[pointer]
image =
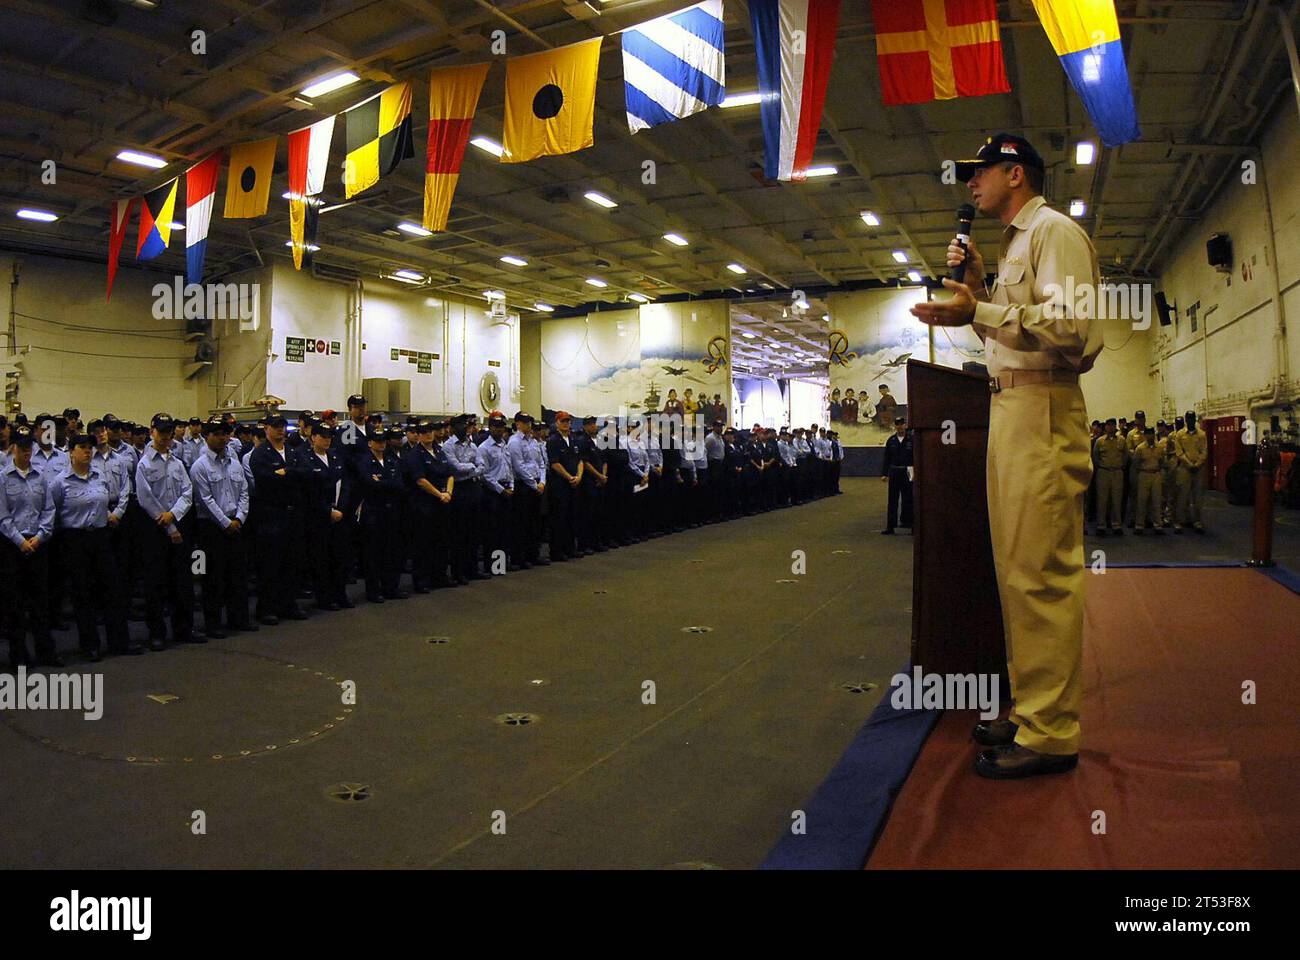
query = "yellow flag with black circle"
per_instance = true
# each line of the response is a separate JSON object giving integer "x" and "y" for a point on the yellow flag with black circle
{"x": 378, "y": 137}
{"x": 248, "y": 181}
{"x": 551, "y": 101}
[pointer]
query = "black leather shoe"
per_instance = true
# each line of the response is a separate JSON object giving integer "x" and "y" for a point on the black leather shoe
{"x": 270, "y": 620}
{"x": 94, "y": 656}
{"x": 1013, "y": 762}
{"x": 995, "y": 733}
{"x": 293, "y": 614}
{"x": 249, "y": 627}
{"x": 375, "y": 597}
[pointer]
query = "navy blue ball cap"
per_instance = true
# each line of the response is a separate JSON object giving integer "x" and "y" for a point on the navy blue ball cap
{"x": 1001, "y": 148}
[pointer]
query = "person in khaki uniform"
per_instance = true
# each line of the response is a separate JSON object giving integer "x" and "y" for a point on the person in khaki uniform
{"x": 1192, "y": 448}
{"x": 1109, "y": 458}
{"x": 1168, "y": 471}
{"x": 1036, "y": 344}
{"x": 1148, "y": 460}
{"x": 1134, "y": 439}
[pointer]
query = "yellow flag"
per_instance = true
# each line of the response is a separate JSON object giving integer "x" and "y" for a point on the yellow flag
{"x": 248, "y": 181}
{"x": 551, "y": 101}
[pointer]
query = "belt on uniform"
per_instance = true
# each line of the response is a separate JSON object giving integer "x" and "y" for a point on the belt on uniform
{"x": 1023, "y": 378}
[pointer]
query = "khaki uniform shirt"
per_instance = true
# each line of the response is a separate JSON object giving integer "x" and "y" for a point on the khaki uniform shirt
{"x": 1148, "y": 459}
{"x": 1029, "y": 321}
{"x": 1110, "y": 452}
{"x": 1192, "y": 448}
{"x": 1135, "y": 439}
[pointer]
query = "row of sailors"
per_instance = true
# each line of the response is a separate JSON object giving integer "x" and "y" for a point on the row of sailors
{"x": 1147, "y": 474}
{"x": 86, "y": 518}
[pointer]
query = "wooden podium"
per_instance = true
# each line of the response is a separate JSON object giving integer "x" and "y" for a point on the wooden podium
{"x": 956, "y": 616}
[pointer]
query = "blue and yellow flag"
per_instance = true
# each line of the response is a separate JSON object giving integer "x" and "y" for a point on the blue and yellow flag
{"x": 1085, "y": 35}
{"x": 156, "y": 211}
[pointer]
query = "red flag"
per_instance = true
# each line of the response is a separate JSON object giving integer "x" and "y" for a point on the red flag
{"x": 453, "y": 98}
{"x": 116, "y": 234}
{"x": 938, "y": 50}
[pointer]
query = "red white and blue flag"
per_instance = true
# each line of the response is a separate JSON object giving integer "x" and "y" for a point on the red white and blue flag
{"x": 200, "y": 188}
{"x": 795, "y": 42}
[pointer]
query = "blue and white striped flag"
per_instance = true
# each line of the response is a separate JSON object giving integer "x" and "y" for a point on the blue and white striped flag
{"x": 673, "y": 66}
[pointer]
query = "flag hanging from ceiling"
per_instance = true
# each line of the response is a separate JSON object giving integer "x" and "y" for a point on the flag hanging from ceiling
{"x": 121, "y": 216}
{"x": 1085, "y": 35}
{"x": 673, "y": 66}
{"x": 378, "y": 138}
{"x": 309, "y": 153}
{"x": 200, "y": 189}
{"x": 453, "y": 98}
{"x": 303, "y": 216}
{"x": 795, "y": 44}
{"x": 938, "y": 51}
{"x": 551, "y": 101}
{"x": 157, "y": 208}
{"x": 248, "y": 181}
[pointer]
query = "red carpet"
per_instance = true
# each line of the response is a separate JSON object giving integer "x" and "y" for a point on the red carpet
{"x": 1185, "y": 773}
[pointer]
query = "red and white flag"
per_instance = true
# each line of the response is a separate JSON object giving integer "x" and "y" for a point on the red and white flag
{"x": 121, "y": 216}
{"x": 309, "y": 154}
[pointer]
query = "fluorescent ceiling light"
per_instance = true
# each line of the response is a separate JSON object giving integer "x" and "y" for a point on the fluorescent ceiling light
{"x": 408, "y": 275}
{"x": 514, "y": 261}
{"x": 489, "y": 146}
{"x": 677, "y": 239}
{"x": 742, "y": 99}
{"x": 1078, "y": 208}
{"x": 44, "y": 216}
{"x": 306, "y": 246}
{"x": 597, "y": 283}
{"x": 329, "y": 84}
{"x": 142, "y": 159}
{"x": 1084, "y": 151}
{"x": 826, "y": 317}
{"x": 639, "y": 298}
{"x": 801, "y": 304}
{"x": 825, "y": 171}
{"x": 414, "y": 229}
{"x": 177, "y": 226}
{"x": 914, "y": 276}
{"x": 900, "y": 256}
{"x": 544, "y": 307}
{"x": 870, "y": 219}
{"x": 736, "y": 268}
{"x": 600, "y": 199}
{"x": 749, "y": 336}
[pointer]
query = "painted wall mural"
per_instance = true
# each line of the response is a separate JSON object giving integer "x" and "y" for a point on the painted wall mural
{"x": 872, "y": 336}
{"x": 629, "y": 360}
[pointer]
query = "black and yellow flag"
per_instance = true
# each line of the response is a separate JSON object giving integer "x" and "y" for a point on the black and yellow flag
{"x": 551, "y": 101}
{"x": 378, "y": 137}
{"x": 248, "y": 181}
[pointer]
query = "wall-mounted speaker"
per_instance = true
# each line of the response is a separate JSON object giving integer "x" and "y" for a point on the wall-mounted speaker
{"x": 1218, "y": 251}
{"x": 1163, "y": 308}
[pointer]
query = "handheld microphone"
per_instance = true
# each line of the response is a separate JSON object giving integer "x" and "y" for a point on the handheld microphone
{"x": 965, "y": 214}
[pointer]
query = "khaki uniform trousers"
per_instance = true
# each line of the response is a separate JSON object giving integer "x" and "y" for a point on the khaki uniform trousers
{"x": 1169, "y": 490}
{"x": 1038, "y": 470}
{"x": 1110, "y": 496}
{"x": 1188, "y": 508}
{"x": 1148, "y": 498}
